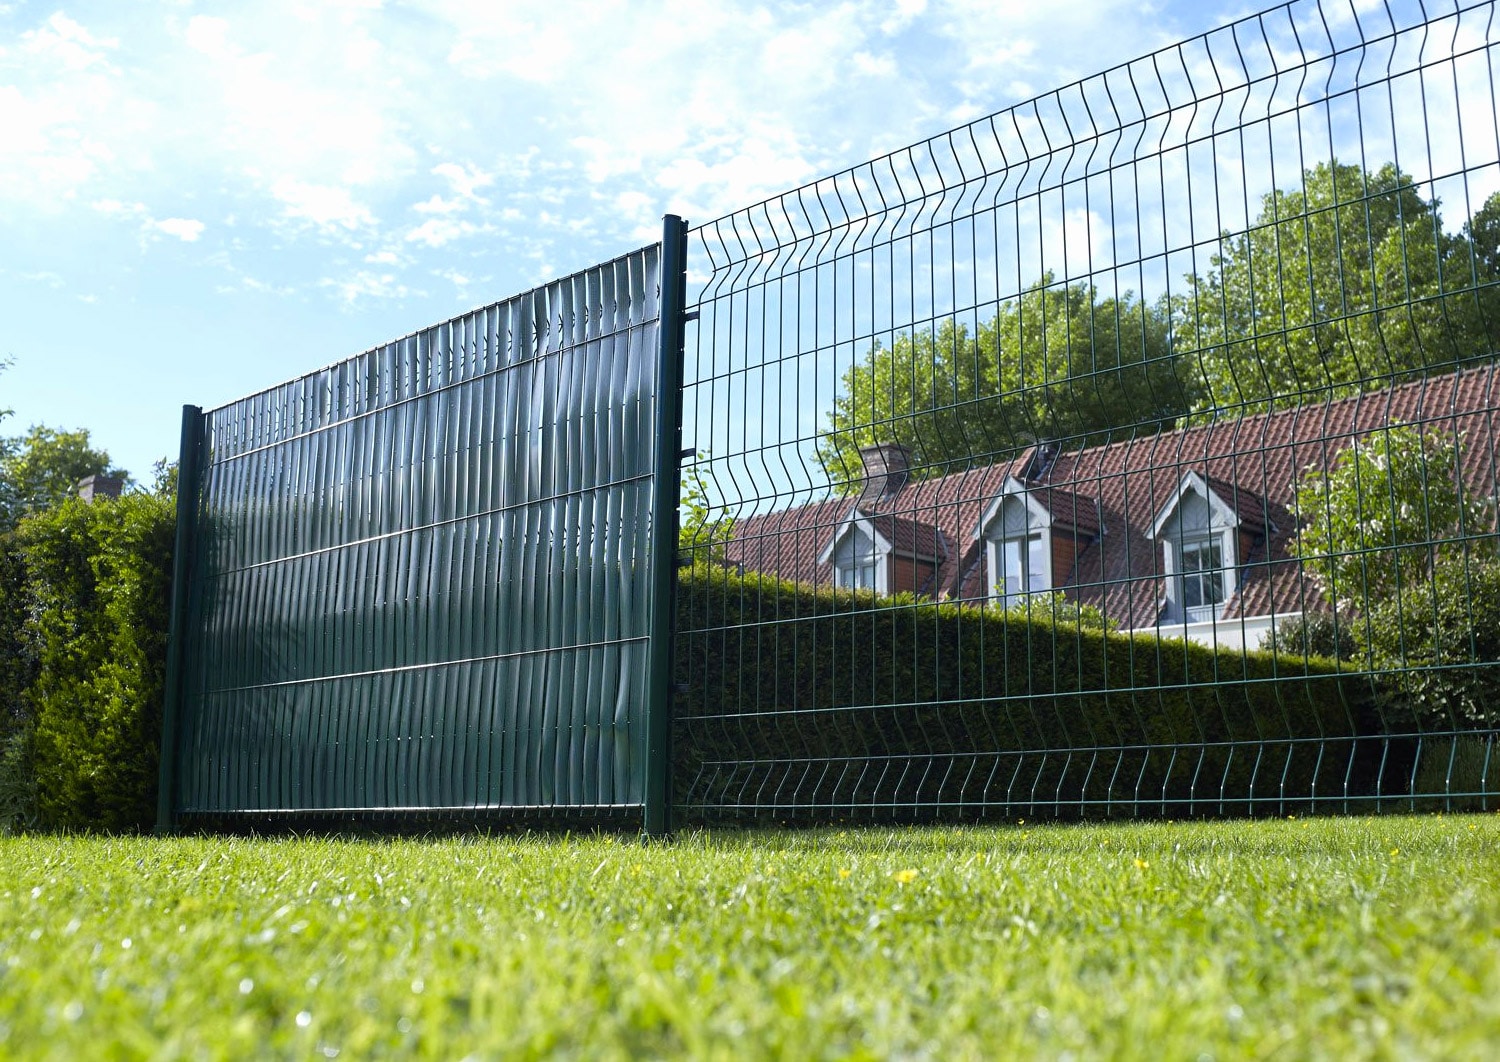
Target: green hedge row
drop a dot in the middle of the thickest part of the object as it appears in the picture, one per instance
(84, 605)
(800, 701)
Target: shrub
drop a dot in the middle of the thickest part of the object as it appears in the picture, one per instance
(96, 585)
(1312, 634)
(17, 669)
(1439, 639)
(1057, 608)
(1374, 520)
(801, 701)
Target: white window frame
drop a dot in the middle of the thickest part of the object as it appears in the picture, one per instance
(866, 575)
(877, 562)
(1221, 573)
(1222, 530)
(1034, 554)
(1036, 569)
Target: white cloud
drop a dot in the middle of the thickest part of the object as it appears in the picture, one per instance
(874, 65)
(328, 207)
(68, 43)
(185, 229)
(113, 208)
(361, 133)
(438, 205)
(188, 230)
(460, 281)
(464, 180)
(435, 232)
(210, 36)
(906, 11)
(366, 285)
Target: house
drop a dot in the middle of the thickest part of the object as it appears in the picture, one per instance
(1185, 532)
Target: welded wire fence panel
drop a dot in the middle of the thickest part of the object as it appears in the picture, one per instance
(1130, 450)
(420, 577)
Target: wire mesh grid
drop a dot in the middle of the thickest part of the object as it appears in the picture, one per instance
(1128, 451)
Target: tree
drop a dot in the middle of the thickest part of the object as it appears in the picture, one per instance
(1372, 524)
(702, 533)
(1059, 363)
(96, 590)
(1483, 232)
(1440, 642)
(1349, 283)
(42, 468)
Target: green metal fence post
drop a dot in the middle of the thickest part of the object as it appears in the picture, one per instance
(667, 465)
(189, 461)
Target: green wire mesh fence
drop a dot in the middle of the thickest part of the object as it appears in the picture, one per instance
(1129, 451)
(421, 580)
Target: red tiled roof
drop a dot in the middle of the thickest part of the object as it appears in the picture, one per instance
(1252, 463)
(911, 538)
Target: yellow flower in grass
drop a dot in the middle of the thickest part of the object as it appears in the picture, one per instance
(905, 877)
(843, 873)
(1141, 864)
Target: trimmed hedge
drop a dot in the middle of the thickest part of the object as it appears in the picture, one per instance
(1440, 640)
(804, 702)
(91, 582)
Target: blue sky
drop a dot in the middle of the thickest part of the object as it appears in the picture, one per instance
(200, 199)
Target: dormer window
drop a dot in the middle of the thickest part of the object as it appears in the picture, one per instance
(858, 570)
(1017, 533)
(1023, 566)
(1199, 534)
(887, 554)
(860, 556)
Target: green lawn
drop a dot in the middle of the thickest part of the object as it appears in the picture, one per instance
(1325, 938)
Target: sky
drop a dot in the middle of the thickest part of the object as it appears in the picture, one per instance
(200, 199)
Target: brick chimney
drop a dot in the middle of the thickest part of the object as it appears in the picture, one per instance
(887, 468)
(91, 487)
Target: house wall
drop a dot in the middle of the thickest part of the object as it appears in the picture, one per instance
(1065, 549)
(909, 575)
(1239, 633)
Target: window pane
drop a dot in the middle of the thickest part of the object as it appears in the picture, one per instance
(1014, 576)
(1202, 574)
(859, 577)
(1192, 590)
(1036, 564)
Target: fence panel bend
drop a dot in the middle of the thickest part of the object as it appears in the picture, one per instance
(1128, 451)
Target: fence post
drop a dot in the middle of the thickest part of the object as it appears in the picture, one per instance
(189, 458)
(667, 484)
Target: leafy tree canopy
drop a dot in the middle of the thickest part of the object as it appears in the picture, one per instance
(1372, 524)
(1348, 283)
(42, 468)
(703, 532)
(1060, 362)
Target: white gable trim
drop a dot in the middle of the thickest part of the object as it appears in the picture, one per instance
(855, 519)
(1037, 516)
(1223, 516)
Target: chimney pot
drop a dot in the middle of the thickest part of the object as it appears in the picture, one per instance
(91, 487)
(887, 468)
